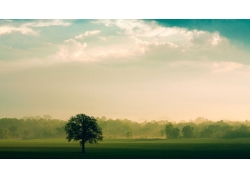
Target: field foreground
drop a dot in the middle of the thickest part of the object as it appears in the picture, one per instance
(127, 149)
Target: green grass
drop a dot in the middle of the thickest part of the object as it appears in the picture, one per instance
(127, 149)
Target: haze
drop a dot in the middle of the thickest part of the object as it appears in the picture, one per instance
(134, 69)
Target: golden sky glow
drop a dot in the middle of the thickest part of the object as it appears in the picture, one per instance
(135, 69)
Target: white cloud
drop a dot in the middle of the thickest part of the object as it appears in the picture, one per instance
(46, 23)
(140, 45)
(70, 50)
(146, 29)
(159, 35)
(138, 38)
(106, 22)
(11, 29)
(142, 40)
(25, 28)
(87, 33)
(216, 39)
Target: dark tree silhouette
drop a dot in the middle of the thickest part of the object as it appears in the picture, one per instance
(171, 132)
(188, 131)
(175, 132)
(206, 133)
(168, 129)
(84, 128)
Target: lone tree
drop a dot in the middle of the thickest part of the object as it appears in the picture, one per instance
(84, 128)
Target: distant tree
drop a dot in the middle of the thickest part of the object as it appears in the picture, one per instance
(242, 131)
(103, 118)
(219, 129)
(25, 134)
(175, 132)
(13, 131)
(84, 128)
(4, 133)
(151, 129)
(172, 132)
(206, 133)
(188, 131)
(168, 129)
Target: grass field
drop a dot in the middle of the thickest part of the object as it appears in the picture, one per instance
(127, 149)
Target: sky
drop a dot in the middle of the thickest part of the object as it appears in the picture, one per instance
(172, 69)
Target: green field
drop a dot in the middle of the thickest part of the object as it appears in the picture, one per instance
(127, 149)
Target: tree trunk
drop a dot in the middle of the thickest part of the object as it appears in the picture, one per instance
(83, 142)
(83, 147)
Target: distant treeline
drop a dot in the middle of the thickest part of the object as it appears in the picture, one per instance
(199, 128)
(46, 127)
(31, 128)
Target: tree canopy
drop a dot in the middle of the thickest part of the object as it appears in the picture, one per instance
(188, 131)
(84, 128)
(171, 132)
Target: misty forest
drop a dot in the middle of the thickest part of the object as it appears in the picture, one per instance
(45, 127)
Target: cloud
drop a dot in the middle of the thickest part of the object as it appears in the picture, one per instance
(174, 43)
(11, 29)
(146, 40)
(143, 28)
(156, 34)
(140, 45)
(87, 33)
(46, 23)
(70, 50)
(141, 41)
(26, 28)
(216, 39)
